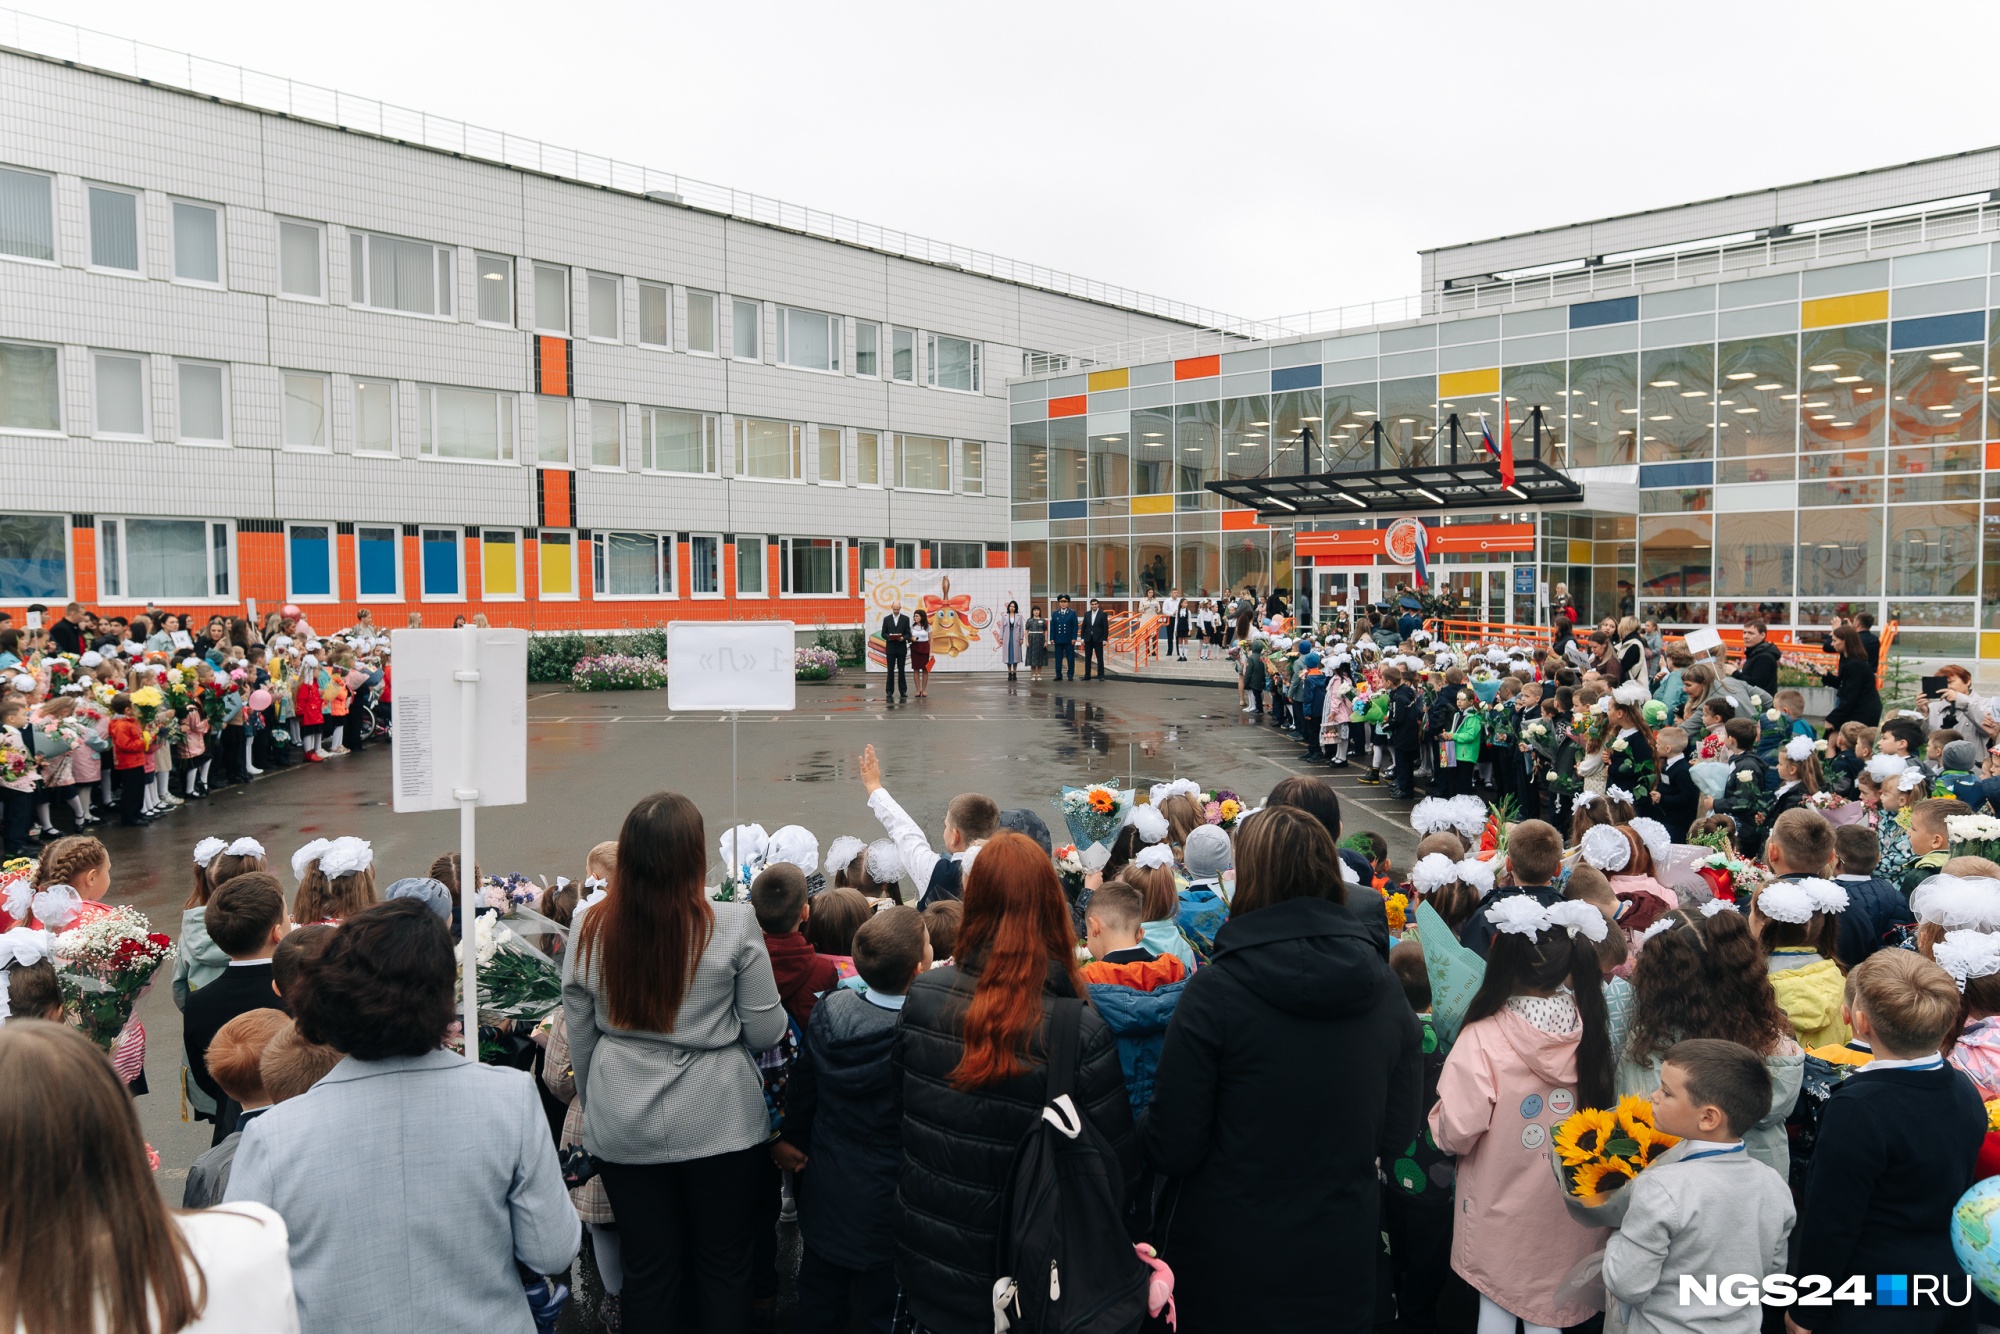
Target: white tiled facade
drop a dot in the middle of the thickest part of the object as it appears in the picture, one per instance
(78, 129)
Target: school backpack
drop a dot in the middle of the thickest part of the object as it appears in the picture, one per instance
(1064, 1262)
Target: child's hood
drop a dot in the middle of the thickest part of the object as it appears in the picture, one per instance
(1810, 994)
(1549, 1057)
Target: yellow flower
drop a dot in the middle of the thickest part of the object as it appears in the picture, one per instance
(1580, 1138)
(1230, 810)
(1992, 1111)
(1652, 1143)
(1635, 1111)
(1396, 905)
(1601, 1178)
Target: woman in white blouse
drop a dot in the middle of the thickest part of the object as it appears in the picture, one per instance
(116, 1249)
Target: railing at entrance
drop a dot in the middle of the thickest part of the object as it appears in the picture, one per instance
(1138, 635)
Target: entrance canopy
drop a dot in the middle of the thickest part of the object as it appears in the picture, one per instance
(1426, 488)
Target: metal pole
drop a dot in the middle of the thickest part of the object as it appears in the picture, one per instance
(735, 815)
(467, 795)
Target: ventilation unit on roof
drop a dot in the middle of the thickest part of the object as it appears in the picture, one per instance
(665, 196)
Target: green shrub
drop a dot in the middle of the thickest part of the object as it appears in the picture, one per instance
(554, 657)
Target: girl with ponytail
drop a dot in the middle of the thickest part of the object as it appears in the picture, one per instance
(1535, 1047)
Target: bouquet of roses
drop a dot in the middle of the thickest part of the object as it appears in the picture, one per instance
(103, 965)
(1222, 807)
(1070, 870)
(1094, 813)
(516, 980)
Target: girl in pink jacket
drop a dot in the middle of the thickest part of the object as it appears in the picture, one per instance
(1535, 1048)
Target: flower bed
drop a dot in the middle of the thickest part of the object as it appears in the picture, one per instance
(617, 671)
(814, 664)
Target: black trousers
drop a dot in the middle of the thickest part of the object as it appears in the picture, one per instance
(1066, 660)
(828, 1293)
(1093, 649)
(131, 793)
(1406, 764)
(20, 809)
(898, 668)
(691, 1223)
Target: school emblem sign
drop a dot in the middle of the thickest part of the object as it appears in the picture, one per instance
(1399, 544)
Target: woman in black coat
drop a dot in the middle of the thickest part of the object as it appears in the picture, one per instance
(1292, 1064)
(965, 1106)
(1855, 698)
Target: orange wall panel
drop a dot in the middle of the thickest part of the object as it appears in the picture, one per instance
(1196, 368)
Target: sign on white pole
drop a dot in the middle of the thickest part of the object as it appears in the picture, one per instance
(461, 740)
(724, 667)
(430, 731)
(1702, 641)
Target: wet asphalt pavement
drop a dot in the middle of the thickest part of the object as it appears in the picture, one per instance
(590, 756)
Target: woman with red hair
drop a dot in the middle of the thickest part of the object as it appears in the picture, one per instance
(972, 1079)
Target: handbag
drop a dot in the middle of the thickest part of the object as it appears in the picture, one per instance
(577, 1165)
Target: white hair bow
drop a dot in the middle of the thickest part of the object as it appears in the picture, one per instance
(1152, 825)
(303, 859)
(1617, 793)
(207, 850)
(1606, 849)
(1799, 749)
(1574, 915)
(1654, 835)
(1154, 855)
(346, 856)
(840, 853)
(1477, 874)
(885, 861)
(1715, 906)
(1432, 873)
(1785, 901)
(244, 847)
(57, 906)
(24, 946)
(1968, 954)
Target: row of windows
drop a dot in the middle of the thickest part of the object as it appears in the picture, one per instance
(414, 277)
(479, 425)
(191, 560)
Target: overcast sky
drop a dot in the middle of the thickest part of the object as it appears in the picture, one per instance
(1259, 159)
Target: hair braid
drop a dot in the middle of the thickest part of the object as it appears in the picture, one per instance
(67, 858)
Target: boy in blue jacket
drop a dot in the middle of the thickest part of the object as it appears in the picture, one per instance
(1132, 988)
(842, 1135)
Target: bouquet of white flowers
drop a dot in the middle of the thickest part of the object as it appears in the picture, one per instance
(1094, 813)
(1973, 835)
(516, 980)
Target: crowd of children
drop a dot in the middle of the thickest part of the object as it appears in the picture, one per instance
(104, 716)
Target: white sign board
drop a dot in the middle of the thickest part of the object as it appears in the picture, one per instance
(429, 719)
(731, 667)
(1703, 641)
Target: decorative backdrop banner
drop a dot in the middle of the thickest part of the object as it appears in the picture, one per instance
(964, 606)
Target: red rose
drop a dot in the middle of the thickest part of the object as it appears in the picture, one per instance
(159, 941)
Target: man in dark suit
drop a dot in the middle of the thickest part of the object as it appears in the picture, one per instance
(246, 918)
(1096, 629)
(896, 646)
(1062, 638)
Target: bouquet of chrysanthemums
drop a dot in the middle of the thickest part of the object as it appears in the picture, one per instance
(1973, 835)
(103, 965)
(1222, 807)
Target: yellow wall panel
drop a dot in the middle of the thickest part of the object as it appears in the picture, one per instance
(1102, 380)
(1860, 308)
(1989, 645)
(1579, 552)
(1152, 504)
(502, 576)
(1463, 384)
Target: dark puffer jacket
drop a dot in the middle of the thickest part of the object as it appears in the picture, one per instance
(958, 1146)
(841, 1112)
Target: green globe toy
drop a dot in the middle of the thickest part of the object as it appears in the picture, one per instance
(1974, 1220)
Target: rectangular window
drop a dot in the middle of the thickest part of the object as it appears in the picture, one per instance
(867, 458)
(551, 299)
(867, 349)
(28, 397)
(809, 340)
(27, 215)
(677, 441)
(954, 363)
(705, 565)
(701, 322)
(465, 424)
(813, 566)
(301, 259)
(656, 326)
(378, 561)
(197, 250)
(309, 560)
(551, 430)
(496, 289)
(34, 557)
(903, 355)
(829, 454)
(923, 463)
(961, 555)
(440, 563)
(605, 291)
(374, 417)
(391, 273)
(203, 415)
(607, 435)
(906, 555)
(871, 557)
(767, 449)
(114, 229)
(142, 559)
(555, 564)
(632, 565)
(749, 566)
(305, 411)
(120, 396)
(746, 319)
(972, 467)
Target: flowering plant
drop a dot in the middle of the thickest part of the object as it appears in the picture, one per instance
(618, 671)
(15, 762)
(1222, 807)
(515, 980)
(103, 965)
(1070, 869)
(814, 664)
(505, 893)
(1972, 835)
(1397, 907)
(1094, 813)
(1600, 1149)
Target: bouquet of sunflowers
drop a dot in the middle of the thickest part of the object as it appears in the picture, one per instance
(1597, 1151)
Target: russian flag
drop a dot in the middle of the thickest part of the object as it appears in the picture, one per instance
(1423, 564)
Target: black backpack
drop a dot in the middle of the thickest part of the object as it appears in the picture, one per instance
(1064, 1262)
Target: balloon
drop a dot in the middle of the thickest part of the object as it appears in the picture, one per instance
(290, 610)
(260, 700)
